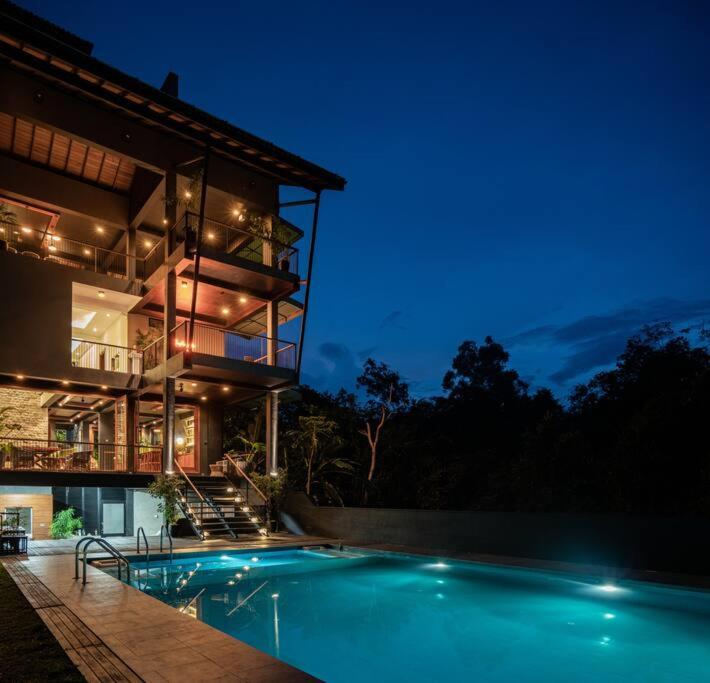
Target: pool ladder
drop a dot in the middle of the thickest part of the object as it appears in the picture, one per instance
(87, 542)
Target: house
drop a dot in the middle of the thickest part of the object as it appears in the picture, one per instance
(150, 277)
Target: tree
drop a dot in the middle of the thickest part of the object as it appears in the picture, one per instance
(317, 438)
(387, 393)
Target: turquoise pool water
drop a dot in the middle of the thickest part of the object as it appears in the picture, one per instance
(388, 617)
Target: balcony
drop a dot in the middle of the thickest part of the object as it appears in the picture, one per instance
(228, 355)
(42, 246)
(257, 245)
(107, 357)
(40, 455)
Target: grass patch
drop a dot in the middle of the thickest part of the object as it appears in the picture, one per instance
(28, 650)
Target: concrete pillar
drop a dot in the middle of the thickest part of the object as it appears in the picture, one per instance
(132, 436)
(272, 431)
(272, 332)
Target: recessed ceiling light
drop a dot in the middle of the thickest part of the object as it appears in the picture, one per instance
(242, 299)
(148, 244)
(26, 229)
(225, 310)
(108, 315)
(101, 294)
(95, 329)
(87, 252)
(203, 398)
(184, 284)
(104, 387)
(225, 388)
(99, 228)
(20, 377)
(194, 384)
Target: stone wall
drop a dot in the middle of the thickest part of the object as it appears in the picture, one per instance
(670, 544)
(27, 411)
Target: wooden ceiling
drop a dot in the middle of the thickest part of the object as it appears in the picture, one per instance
(62, 153)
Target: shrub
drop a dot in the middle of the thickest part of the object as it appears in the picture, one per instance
(65, 524)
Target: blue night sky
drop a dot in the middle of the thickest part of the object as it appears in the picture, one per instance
(533, 171)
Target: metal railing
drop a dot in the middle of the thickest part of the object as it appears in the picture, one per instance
(140, 531)
(47, 455)
(75, 254)
(214, 341)
(256, 243)
(103, 543)
(100, 356)
(164, 528)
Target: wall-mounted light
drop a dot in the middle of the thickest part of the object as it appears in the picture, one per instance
(188, 194)
(27, 230)
(225, 311)
(183, 284)
(179, 441)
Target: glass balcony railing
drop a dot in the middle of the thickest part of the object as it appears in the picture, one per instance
(258, 242)
(214, 341)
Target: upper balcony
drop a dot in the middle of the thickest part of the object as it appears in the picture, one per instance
(44, 246)
(254, 255)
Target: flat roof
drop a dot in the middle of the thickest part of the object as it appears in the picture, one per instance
(52, 51)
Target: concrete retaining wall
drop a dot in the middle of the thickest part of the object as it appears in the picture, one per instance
(656, 543)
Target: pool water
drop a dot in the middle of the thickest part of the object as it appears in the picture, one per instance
(387, 617)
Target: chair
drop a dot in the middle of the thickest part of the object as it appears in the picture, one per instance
(81, 460)
(11, 250)
(31, 254)
(150, 461)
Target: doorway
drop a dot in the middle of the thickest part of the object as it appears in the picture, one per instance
(113, 519)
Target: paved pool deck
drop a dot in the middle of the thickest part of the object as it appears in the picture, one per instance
(114, 632)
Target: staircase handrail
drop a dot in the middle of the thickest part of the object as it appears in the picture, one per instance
(242, 473)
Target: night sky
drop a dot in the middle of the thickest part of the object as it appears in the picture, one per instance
(536, 171)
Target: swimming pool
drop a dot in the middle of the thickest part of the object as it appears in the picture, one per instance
(358, 616)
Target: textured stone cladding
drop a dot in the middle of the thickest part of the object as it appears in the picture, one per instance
(26, 411)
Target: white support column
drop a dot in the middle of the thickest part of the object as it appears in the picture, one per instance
(272, 431)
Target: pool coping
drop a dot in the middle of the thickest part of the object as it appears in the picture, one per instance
(662, 579)
(155, 641)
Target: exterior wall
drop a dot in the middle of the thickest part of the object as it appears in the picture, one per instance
(27, 411)
(36, 497)
(145, 513)
(36, 320)
(657, 543)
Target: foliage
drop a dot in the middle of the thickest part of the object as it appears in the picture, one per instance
(144, 339)
(65, 524)
(273, 486)
(630, 440)
(166, 487)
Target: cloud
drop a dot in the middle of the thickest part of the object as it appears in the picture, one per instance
(392, 320)
(595, 341)
(333, 368)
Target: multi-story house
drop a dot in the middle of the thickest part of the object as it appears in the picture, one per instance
(150, 277)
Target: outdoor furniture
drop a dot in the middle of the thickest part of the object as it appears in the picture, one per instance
(21, 458)
(44, 457)
(13, 544)
(31, 254)
(150, 461)
(81, 460)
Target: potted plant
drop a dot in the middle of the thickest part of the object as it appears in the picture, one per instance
(166, 488)
(65, 524)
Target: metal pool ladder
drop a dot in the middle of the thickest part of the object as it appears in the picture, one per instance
(164, 527)
(86, 542)
(140, 531)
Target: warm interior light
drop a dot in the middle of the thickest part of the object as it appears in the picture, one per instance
(99, 228)
(235, 212)
(165, 221)
(26, 229)
(108, 315)
(104, 387)
(225, 388)
(203, 398)
(2, 229)
(101, 294)
(65, 382)
(188, 194)
(210, 235)
(180, 441)
(242, 299)
(194, 384)
(148, 244)
(95, 329)
(183, 284)
(20, 377)
(225, 311)
(87, 252)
